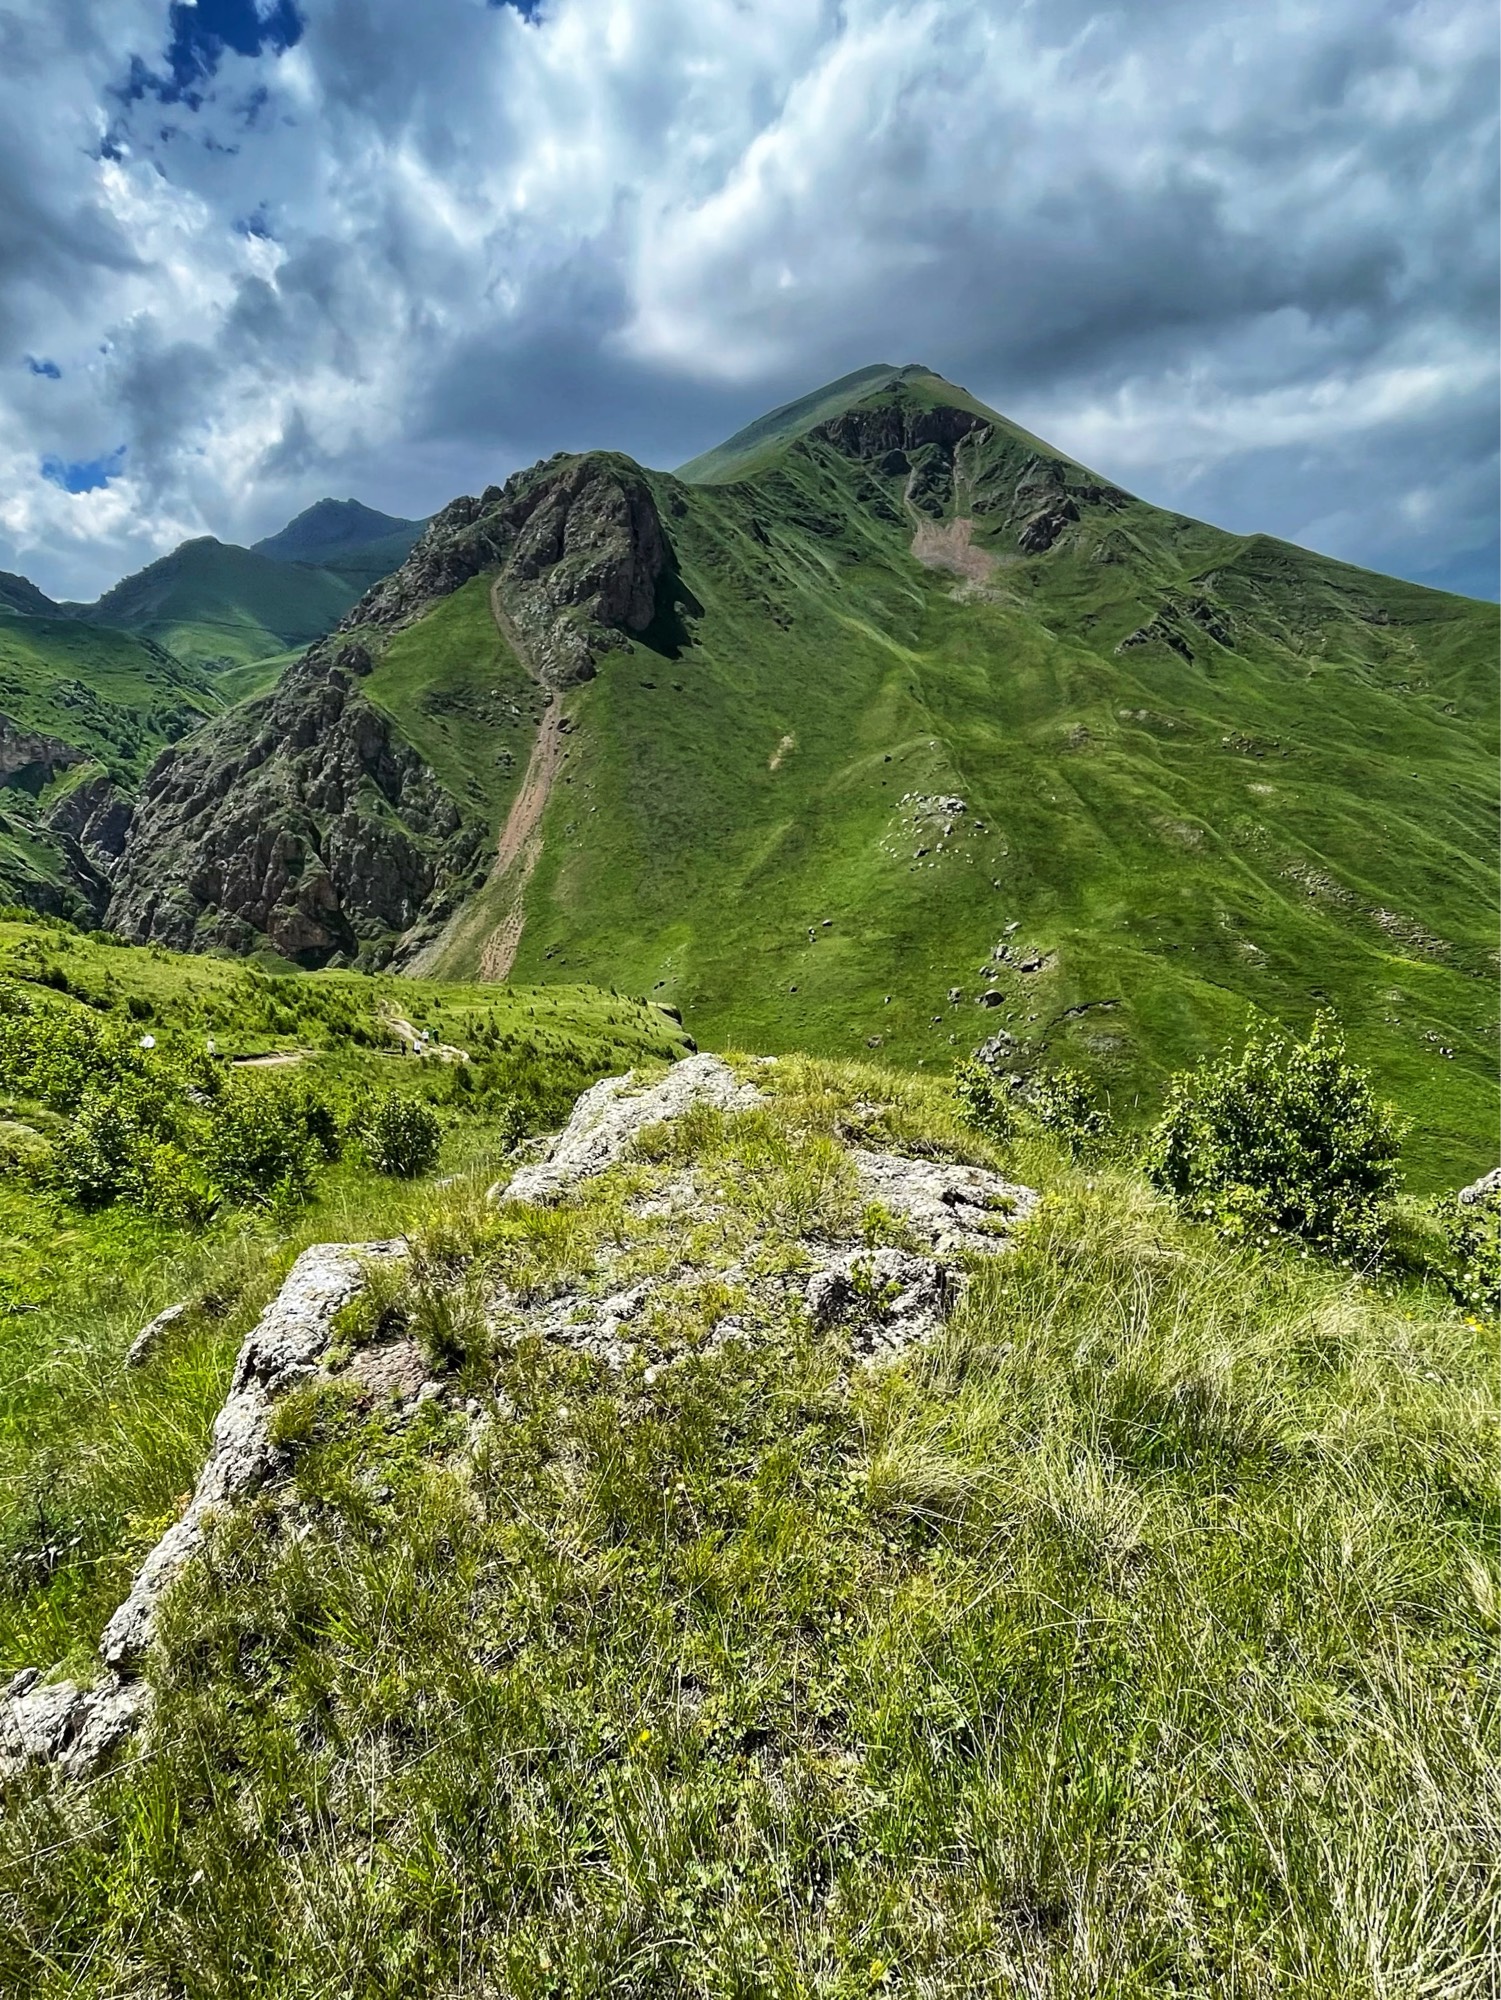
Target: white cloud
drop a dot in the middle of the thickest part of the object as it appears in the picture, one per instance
(1247, 263)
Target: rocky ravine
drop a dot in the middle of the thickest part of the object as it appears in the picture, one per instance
(879, 1300)
(303, 817)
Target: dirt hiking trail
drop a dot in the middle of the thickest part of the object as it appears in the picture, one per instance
(519, 847)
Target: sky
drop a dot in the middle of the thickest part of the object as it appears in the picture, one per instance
(1240, 259)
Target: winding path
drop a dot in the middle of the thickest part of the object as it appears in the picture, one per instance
(519, 847)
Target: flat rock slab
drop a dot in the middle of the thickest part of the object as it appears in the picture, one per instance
(953, 1208)
(151, 1334)
(608, 1118)
(60, 1723)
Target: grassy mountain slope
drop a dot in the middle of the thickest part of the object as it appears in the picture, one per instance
(217, 605)
(352, 540)
(110, 694)
(457, 692)
(1202, 775)
(895, 729)
(78, 703)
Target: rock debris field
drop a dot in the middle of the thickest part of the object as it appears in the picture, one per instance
(882, 1278)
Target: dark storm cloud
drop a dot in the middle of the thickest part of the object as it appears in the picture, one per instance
(1242, 261)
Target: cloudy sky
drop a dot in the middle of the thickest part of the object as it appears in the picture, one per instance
(1242, 259)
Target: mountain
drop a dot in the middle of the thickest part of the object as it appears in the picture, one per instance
(20, 594)
(84, 710)
(759, 442)
(883, 725)
(352, 540)
(218, 605)
(90, 693)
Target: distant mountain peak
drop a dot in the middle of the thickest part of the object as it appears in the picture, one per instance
(330, 529)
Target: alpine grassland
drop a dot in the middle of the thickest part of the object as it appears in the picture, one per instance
(887, 779)
(267, 1113)
(1134, 1636)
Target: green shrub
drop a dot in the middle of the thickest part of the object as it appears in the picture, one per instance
(1058, 1100)
(1470, 1263)
(259, 1150)
(1287, 1138)
(985, 1100)
(402, 1136)
(96, 1160)
(175, 1186)
(320, 1119)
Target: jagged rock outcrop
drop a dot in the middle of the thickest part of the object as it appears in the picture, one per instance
(284, 1348)
(608, 1118)
(98, 817)
(301, 817)
(875, 1297)
(30, 760)
(579, 549)
(74, 1728)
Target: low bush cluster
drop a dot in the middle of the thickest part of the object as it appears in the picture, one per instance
(1285, 1139)
(1469, 1256)
(1059, 1101)
(172, 1131)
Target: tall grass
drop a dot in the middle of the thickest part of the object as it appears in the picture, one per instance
(1134, 1639)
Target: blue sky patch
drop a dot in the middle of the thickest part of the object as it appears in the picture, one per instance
(200, 38)
(39, 365)
(83, 475)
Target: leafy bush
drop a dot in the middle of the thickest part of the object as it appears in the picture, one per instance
(1058, 1100)
(1288, 1138)
(259, 1150)
(402, 1136)
(985, 1100)
(1470, 1259)
(96, 1160)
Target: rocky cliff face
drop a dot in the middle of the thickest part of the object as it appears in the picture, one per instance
(872, 430)
(30, 760)
(300, 818)
(304, 818)
(98, 817)
(578, 548)
(1039, 497)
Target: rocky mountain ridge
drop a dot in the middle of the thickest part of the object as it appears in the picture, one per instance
(303, 818)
